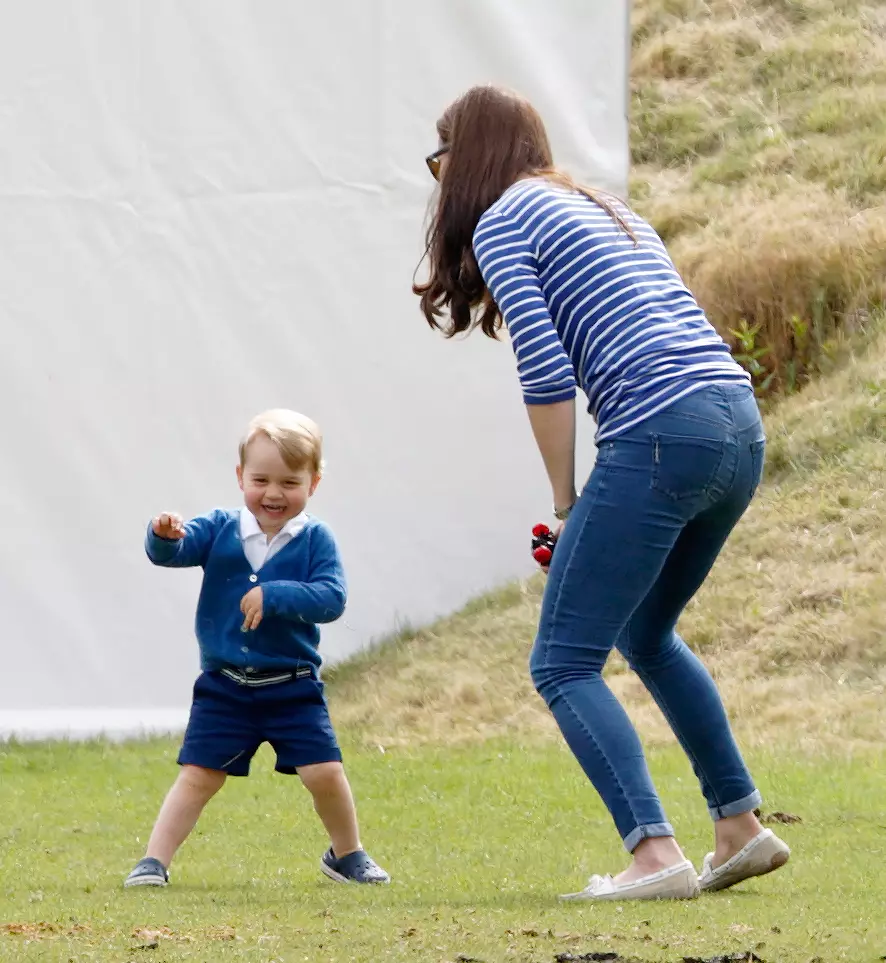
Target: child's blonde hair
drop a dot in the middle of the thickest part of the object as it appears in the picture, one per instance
(297, 437)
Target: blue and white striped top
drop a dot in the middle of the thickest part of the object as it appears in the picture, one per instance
(584, 306)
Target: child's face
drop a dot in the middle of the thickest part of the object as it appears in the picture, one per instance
(273, 492)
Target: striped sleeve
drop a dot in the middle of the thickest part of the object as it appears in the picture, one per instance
(510, 273)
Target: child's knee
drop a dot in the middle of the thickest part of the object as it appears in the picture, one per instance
(202, 782)
(324, 778)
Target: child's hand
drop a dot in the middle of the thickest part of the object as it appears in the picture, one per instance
(169, 526)
(251, 607)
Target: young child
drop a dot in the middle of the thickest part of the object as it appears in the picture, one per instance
(271, 573)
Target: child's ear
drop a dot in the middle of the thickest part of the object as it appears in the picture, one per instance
(240, 476)
(315, 481)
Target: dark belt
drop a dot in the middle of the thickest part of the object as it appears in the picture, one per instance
(256, 677)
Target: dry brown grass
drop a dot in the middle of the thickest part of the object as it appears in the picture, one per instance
(759, 147)
(792, 621)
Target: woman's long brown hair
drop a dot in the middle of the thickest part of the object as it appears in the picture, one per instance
(495, 137)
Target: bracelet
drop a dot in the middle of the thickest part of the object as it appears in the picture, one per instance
(561, 514)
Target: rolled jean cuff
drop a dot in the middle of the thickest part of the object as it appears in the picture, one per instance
(636, 836)
(746, 805)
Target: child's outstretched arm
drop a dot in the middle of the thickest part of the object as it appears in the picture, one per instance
(322, 597)
(172, 543)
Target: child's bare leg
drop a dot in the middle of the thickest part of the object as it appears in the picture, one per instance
(181, 809)
(328, 784)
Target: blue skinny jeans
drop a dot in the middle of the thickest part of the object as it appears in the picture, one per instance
(657, 509)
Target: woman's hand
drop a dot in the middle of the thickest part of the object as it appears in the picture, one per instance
(554, 429)
(556, 532)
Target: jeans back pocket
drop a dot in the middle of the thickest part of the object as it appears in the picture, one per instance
(685, 466)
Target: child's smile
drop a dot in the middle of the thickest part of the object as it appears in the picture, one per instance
(273, 491)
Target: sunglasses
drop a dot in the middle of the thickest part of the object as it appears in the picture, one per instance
(433, 161)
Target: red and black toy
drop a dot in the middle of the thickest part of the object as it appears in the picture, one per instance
(543, 542)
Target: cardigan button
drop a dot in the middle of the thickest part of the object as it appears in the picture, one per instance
(253, 577)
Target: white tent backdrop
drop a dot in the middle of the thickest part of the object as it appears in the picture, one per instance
(213, 207)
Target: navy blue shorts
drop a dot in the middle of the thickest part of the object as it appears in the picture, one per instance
(229, 721)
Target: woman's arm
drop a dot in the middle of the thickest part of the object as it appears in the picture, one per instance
(510, 273)
(554, 429)
(547, 378)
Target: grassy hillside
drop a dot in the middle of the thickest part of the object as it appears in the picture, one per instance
(791, 620)
(758, 146)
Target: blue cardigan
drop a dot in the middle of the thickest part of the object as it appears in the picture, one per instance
(303, 584)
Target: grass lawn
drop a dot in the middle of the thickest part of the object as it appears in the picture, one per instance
(480, 840)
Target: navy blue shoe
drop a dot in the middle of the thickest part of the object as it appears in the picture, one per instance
(357, 867)
(148, 872)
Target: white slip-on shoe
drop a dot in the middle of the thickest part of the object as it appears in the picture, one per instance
(675, 882)
(763, 854)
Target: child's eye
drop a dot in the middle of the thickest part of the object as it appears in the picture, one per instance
(292, 484)
(259, 480)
